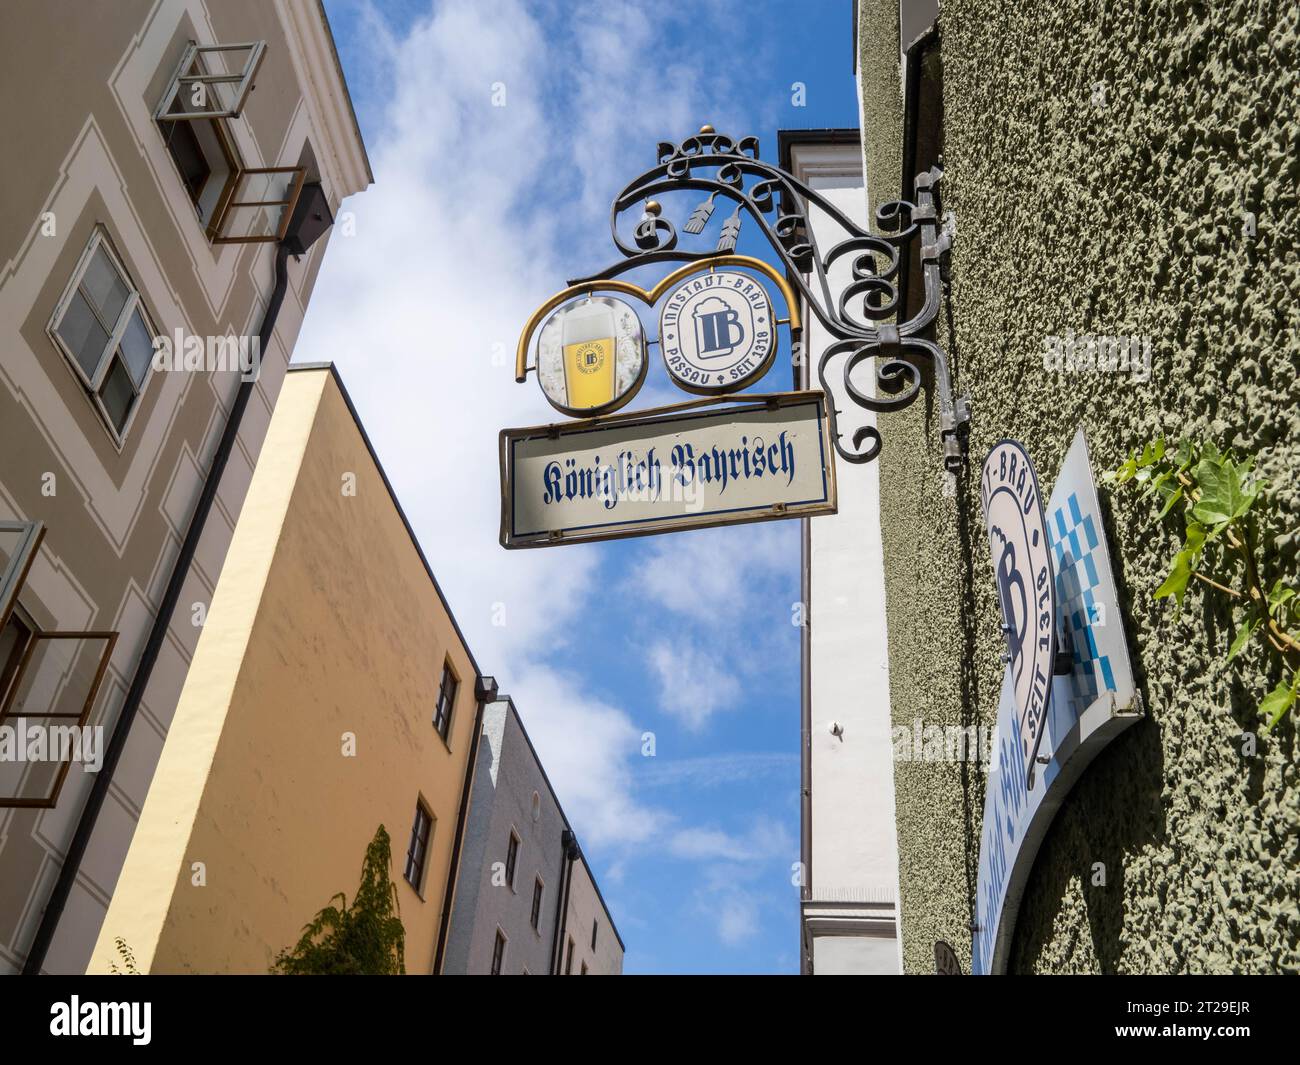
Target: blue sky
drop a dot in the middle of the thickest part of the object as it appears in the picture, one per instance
(480, 212)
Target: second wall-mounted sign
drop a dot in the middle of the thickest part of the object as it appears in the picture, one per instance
(1044, 745)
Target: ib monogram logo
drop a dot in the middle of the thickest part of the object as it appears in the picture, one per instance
(717, 332)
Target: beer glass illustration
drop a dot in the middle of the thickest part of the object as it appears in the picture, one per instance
(718, 331)
(590, 343)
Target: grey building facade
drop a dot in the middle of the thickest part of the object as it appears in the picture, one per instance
(154, 205)
(525, 901)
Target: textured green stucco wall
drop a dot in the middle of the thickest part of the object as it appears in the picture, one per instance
(1100, 161)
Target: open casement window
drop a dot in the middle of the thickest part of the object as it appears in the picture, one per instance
(48, 685)
(260, 207)
(102, 327)
(211, 81)
(234, 203)
(19, 542)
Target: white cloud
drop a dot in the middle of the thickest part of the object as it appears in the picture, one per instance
(465, 231)
(723, 586)
(766, 840)
(738, 917)
(715, 770)
(715, 575)
(692, 685)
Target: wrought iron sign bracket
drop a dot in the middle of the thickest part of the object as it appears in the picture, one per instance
(779, 205)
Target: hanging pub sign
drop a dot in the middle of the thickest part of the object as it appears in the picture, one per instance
(687, 467)
(1043, 744)
(719, 327)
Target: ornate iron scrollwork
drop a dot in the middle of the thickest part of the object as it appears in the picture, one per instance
(778, 203)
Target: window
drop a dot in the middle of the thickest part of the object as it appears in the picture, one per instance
(14, 638)
(512, 859)
(50, 679)
(594, 926)
(102, 327)
(446, 700)
(211, 81)
(236, 204)
(568, 963)
(419, 847)
(535, 917)
(584, 968)
(498, 953)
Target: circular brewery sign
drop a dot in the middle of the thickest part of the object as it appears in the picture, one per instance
(1022, 566)
(591, 356)
(717, 332)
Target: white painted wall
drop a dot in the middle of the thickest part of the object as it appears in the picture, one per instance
(850, 920)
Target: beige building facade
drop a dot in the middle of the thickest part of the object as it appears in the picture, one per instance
(331, 692)
(149, 192)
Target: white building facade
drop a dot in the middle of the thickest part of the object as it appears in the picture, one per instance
(849, 897)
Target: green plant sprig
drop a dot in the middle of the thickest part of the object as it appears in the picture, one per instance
(366, 938)
(1217, 494)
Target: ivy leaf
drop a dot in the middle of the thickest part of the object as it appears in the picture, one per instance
(1184, 563)
(1250, 623)
(1217, 503)
(1278, 599)
(1185, 455)
(1125, 471)
(1172, 496)
(1277, 702)
(1152, 453)
(1176, 583)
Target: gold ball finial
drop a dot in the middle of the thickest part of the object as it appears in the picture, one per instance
(706, 128)
(652, 208)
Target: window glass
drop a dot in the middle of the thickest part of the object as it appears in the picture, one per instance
(117, 395)
(104, 287)
(81, 332)
(137, 349)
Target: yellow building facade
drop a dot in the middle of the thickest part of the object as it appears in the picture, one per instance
(328, 670)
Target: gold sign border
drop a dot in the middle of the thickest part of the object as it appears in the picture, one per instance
(651, 297)
(743, 401)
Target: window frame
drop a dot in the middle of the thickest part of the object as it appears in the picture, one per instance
(444, 730)
(13, 683)
(422, 864)
(229, 204)
(195, 52)
(499, 947)
(535, 911)
(234, 168)
(94, 383)
(12, 579)
(225, 203)
(512, 857)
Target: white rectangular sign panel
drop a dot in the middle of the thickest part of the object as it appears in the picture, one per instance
(761, 458)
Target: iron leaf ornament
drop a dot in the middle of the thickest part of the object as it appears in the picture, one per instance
(777, 204)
